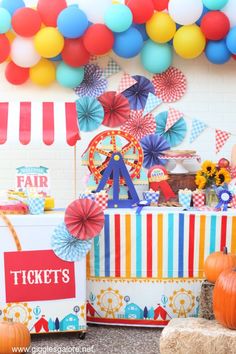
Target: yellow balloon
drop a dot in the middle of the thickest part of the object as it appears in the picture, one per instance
(161, 28)
(48, 42)
(10, 36)
(43, 73)
(189, 41)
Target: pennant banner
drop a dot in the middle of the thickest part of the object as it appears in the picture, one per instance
(197, 128)
(126, 82)
(220, 138)
(173, 116)
(152, 102)
(112, 68)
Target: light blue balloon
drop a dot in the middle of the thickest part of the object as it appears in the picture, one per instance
(118, 18)
(215, 4)
(128, 44)
(12, 5)
(156, 58)
(217, 52)
(5, 20)
(68, 76)
(231, 40)
(72, 22)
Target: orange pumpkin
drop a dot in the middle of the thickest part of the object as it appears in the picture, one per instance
(13, 335)
(224, 299)
(217, 262)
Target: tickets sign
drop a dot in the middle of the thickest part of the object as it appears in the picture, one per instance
(33, 178)
(38, 276)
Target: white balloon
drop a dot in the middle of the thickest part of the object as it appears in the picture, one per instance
(230, 11)
(23, 52)
(185, 12)
(95, 12)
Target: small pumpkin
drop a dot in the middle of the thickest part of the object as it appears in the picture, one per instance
(13, 335)
(217, 262)
(224, 299)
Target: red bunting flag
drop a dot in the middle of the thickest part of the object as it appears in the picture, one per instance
(173, 116)
(126, 82)
(221, 137)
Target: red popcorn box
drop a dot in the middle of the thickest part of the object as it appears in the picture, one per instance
(102, 200)
(199, 200)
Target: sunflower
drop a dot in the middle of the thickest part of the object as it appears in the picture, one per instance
(222, 177)
(209, 168)
(200, 181)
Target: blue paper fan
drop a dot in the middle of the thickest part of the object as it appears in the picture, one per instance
(67, 247)
(90, 113)
(176, 134)
(153, 146)
(94, 84)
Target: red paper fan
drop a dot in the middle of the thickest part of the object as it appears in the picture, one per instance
(116, 108)
(84, 219)
(139, 126)
(171, 85)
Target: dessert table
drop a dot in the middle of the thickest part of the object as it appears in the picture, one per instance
(146, 268)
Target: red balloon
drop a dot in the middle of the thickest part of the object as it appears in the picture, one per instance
(26, 22)
(142, 10)
(215, 25)
(98, 39)
(5, 48)
(74, 53)
(49, 10)
(15, 74)
(160, 5)
(234, 56)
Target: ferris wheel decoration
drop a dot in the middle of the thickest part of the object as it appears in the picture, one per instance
(110, 301)
(117, 166)
(182, 302)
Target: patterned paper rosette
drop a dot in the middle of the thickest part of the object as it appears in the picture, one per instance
(153, 146)
(176, 134)
(67, 247)
(139, 126)
(138, 93)
(90, 113)
(116, 108)
(84, 219)
(171, 85)
(94, 84)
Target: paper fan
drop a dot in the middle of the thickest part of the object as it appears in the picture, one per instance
(176, 134)
(67, 247)
(94, 84)
(116, 108)
(171, 85)
(84, 219)
(139, 126)
(90, 113)
(138, 93)
(153, 146)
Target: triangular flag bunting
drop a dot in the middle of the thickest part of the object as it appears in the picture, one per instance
(152, 102)
(126, 82)
(173, 116)
(197, 128)
(221, 137)
(112, 68)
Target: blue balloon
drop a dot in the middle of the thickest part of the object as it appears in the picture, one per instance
(215, 4)
(142, 29)
(128, 44)
(57, 58)
(217, 52)
(12, 5)
(231, 40)
(5, 20)
(156, 58)
(68, 76)
(118, 18)
(204, 11)
(72, 22)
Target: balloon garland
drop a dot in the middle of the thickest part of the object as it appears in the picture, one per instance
(54, 41)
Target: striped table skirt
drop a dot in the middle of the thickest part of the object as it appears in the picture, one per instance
(151, 261)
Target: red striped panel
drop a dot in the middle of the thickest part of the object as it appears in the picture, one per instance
(149, 245)
(3, 122)
(25, 123)
(223, 232)
(72, 125)
(191, 245)
(117, 245)
(48, 123)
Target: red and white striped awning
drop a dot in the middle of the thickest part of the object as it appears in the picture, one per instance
(39, 122)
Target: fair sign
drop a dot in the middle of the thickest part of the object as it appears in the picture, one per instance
(33, 178)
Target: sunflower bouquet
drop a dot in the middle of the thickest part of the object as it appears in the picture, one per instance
(211, 175)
